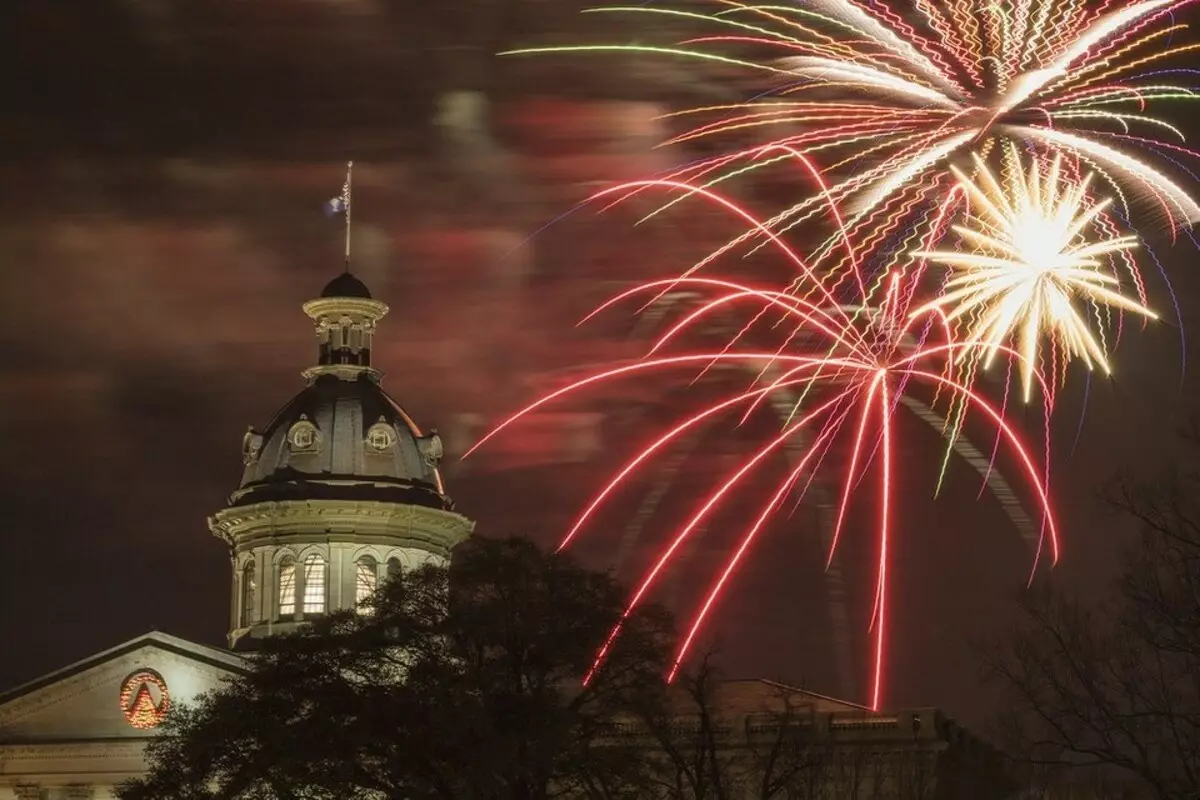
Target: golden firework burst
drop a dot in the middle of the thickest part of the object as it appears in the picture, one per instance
(1035, 260)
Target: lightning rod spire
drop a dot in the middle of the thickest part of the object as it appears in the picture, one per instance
(346, 200)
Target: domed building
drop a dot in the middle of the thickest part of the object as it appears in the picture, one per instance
(338, 490)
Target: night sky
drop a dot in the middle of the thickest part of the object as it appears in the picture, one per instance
(161, 180)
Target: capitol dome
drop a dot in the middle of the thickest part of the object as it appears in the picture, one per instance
(339, 490)
(343, 439)
(342, 436)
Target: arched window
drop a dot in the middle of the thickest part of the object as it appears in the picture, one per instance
(314, 584)
(287, 586)
(366, 578)
(249, 593)
(393, 567)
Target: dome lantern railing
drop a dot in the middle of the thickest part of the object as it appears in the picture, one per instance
(345, 317)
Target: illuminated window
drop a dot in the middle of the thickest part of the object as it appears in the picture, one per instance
(287, 586)
(314, 584)
(366, 577)
(393, 568)
(249, 593)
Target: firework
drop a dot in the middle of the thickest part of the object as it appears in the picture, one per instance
(883, 112)
(1031, 266)
(1045, 71)
(843, 370)
(887, 98)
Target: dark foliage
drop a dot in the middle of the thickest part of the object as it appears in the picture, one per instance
(461, 683)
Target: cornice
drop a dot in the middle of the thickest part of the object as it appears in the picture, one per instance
(346, 372)
(348, 520)
(371, 309)
(61, 751)
(320, 483)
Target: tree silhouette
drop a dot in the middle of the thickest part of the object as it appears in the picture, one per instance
(1113, 689)
(459, 683)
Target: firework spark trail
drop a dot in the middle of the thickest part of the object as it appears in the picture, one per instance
(885, 524)
(872, 379)
(891, 105)
(907, 97)
(815, 452)
(698, 517)
(865, 354)
(1031, 258)
(857, 367)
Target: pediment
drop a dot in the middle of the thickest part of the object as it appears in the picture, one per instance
(121, 693)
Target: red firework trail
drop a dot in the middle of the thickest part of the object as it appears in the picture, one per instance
(833, 362)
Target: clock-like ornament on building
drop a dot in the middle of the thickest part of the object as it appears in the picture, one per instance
(145, 699)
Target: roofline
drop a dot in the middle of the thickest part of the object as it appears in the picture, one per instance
(208, 654)
(808, 693)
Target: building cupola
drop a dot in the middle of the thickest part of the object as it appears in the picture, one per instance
(345, 316)
(340, 489)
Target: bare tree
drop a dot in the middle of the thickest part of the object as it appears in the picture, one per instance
(1113, 689)
(706, 749)
(715, 741)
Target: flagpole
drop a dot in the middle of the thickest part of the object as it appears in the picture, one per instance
(349, 169)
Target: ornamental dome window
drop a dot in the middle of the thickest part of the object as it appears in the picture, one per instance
(303, 437)
(381, 436)
(431, 449)
(252, 444)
